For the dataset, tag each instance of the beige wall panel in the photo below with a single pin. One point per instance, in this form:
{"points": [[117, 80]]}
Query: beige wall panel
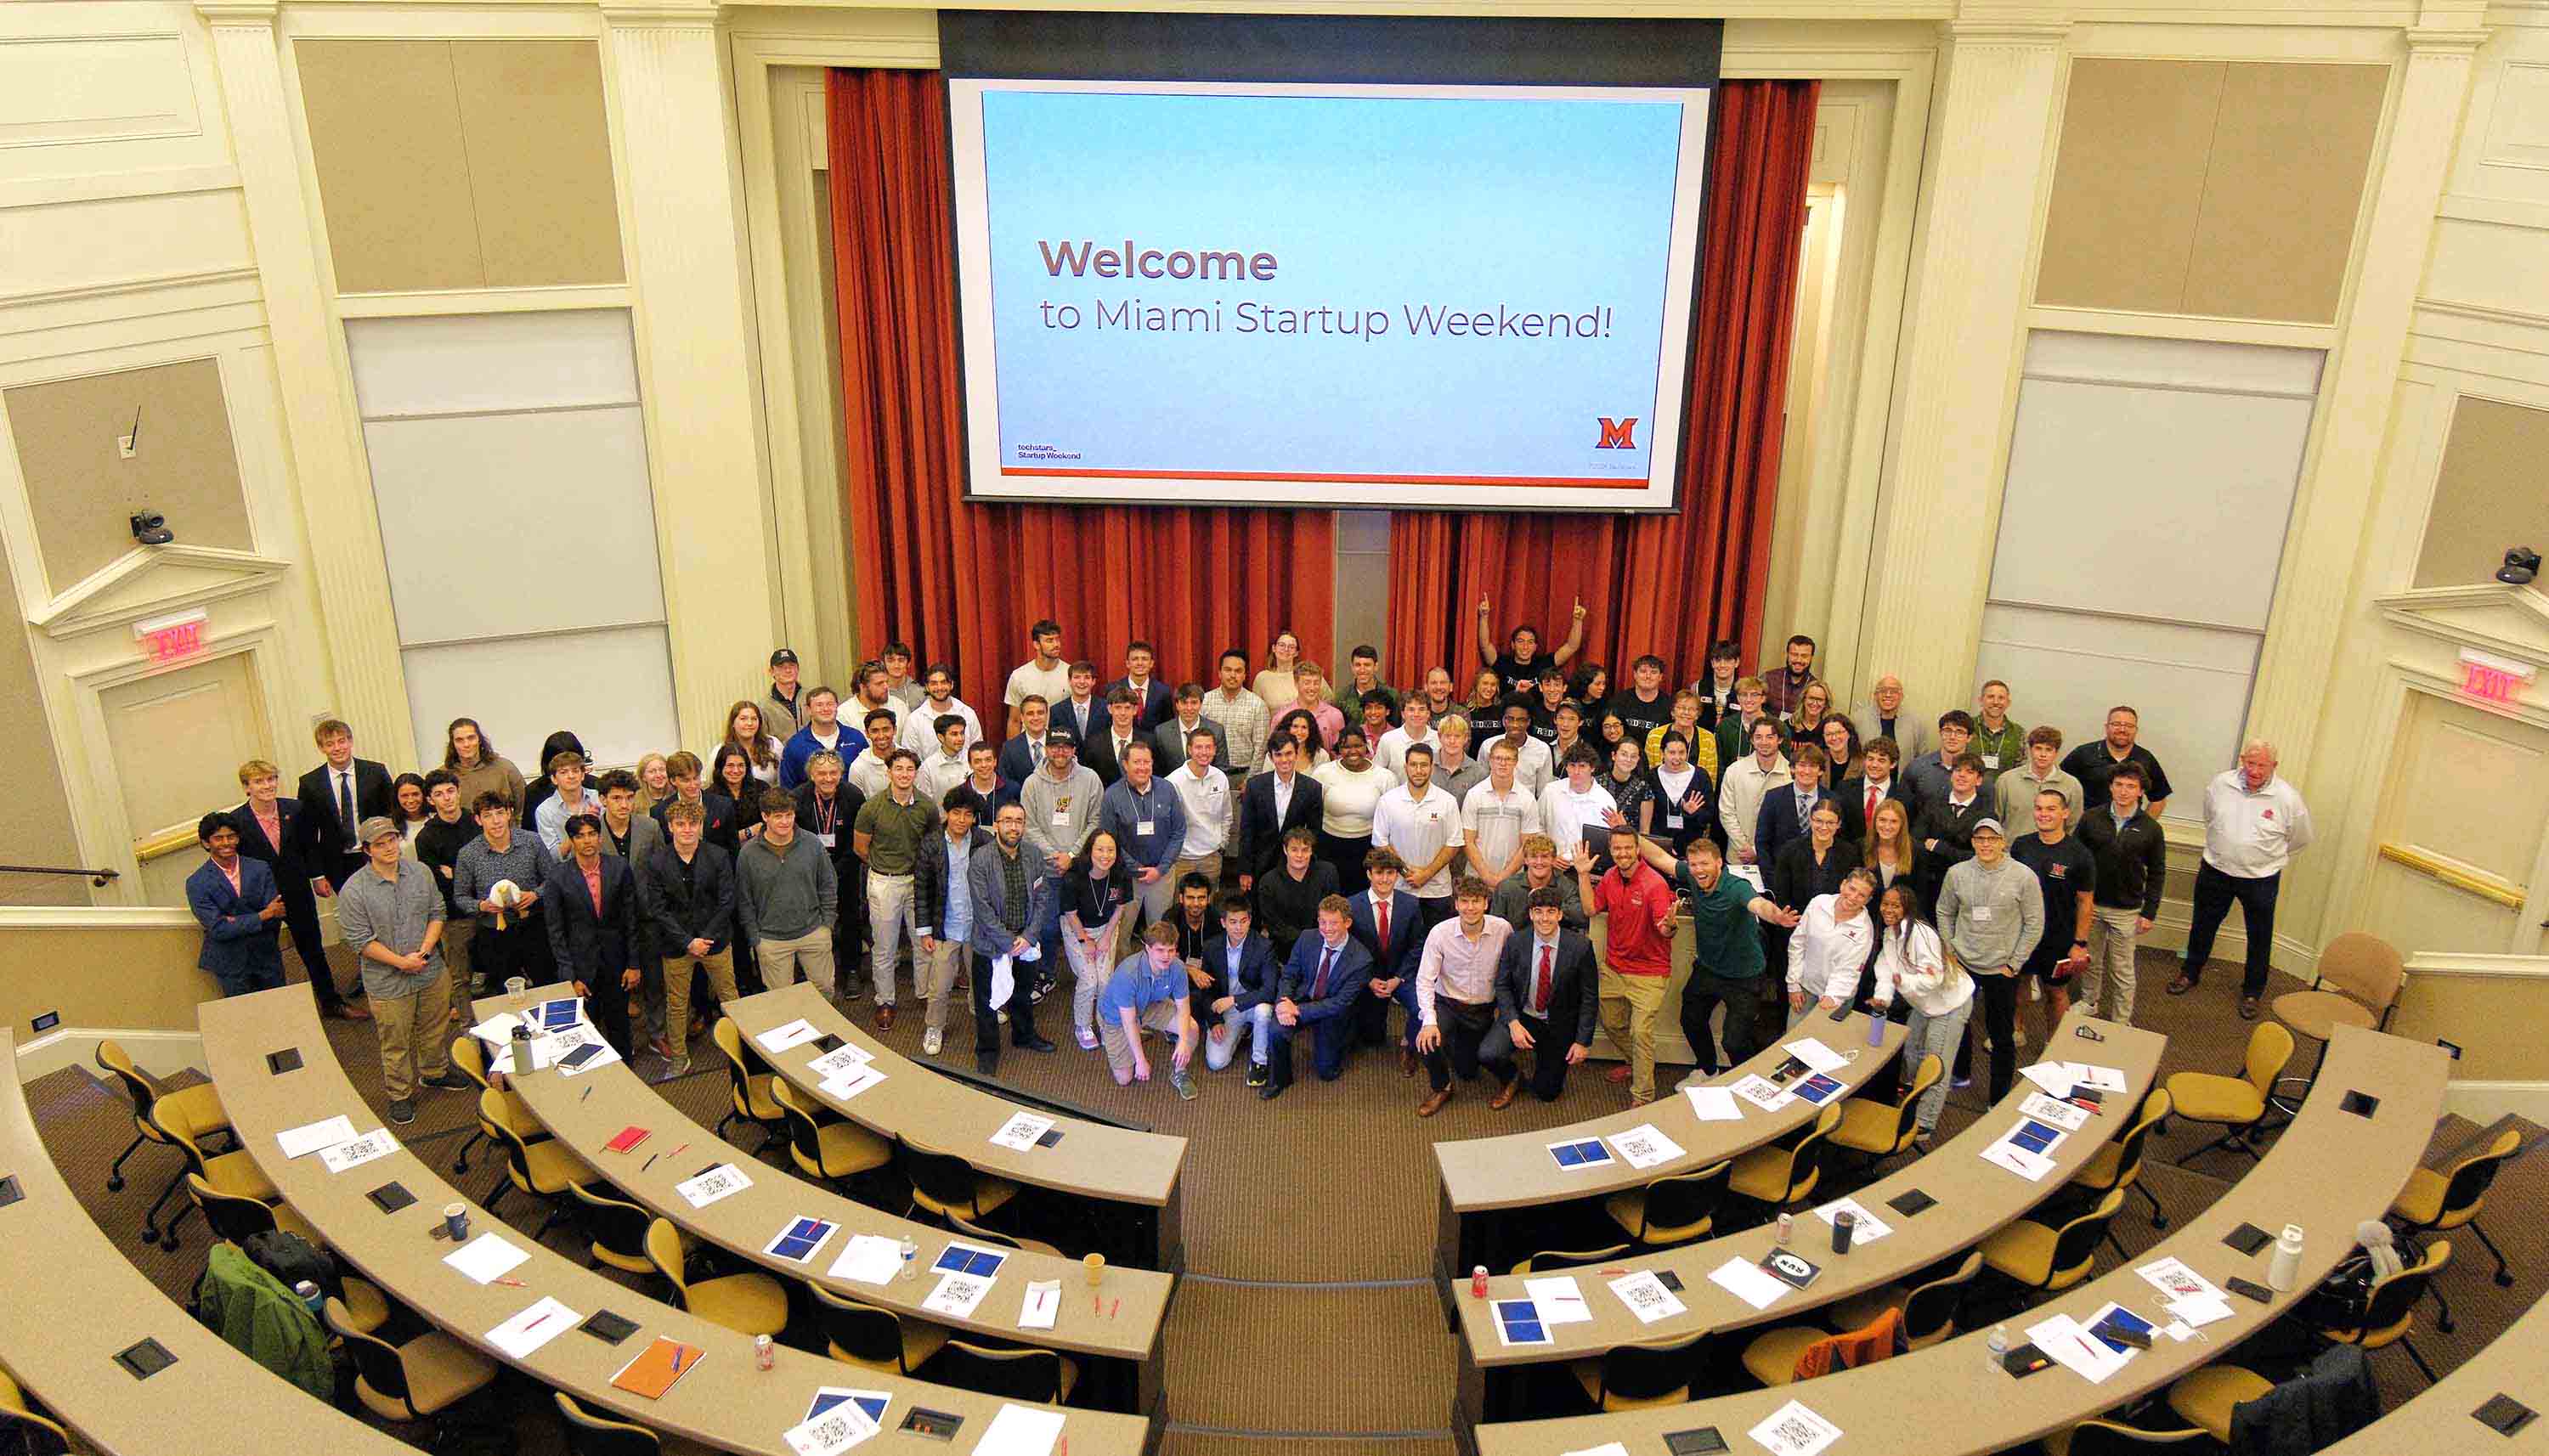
{"points": [[2289, 160], [2494, 1019], [2127, 183], [83, 495], [540, 161], [120, 239], [393, 171], [120, 978], [56, 89], [2489, 494], [31, 777]]}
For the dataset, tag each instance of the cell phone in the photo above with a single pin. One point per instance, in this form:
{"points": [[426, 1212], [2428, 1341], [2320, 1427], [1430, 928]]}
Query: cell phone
{"points": [[2247, 1238], [2089, 1034], [2249, 1289], [1844, 1013], [1698, 1441]]}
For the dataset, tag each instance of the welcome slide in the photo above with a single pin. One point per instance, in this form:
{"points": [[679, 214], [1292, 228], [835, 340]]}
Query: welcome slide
{"points": [[1454, 296]]}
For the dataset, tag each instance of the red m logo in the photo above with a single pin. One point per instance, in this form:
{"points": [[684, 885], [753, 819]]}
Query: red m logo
{"points": [[1618, 434]]}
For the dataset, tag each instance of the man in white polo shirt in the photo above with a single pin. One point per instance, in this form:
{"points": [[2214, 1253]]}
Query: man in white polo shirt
{"points": [[1422, 823], [2254, 822], [1496, 815], [1205, 792]]}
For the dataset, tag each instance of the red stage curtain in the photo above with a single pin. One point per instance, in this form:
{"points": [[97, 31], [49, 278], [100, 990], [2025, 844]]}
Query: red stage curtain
{"points": [[959, 581], [1666, 585]]}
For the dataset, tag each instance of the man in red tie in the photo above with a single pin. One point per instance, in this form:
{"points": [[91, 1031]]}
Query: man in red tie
{"points": [[1873, 785], [1319, 985], [1548, 999]]}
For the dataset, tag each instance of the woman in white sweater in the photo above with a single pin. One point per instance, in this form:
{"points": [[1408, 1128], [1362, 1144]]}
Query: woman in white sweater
{"points": [[1830, 946], [1910, 958]]}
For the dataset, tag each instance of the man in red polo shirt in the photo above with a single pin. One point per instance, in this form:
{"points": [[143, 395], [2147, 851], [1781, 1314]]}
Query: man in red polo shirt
{"points": [[1638, 960]]}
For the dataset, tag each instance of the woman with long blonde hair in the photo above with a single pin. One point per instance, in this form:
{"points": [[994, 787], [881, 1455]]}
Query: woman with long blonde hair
{"points": [[1889, 852]]}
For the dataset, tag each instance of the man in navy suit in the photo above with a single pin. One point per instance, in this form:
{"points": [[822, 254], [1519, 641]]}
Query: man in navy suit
{"points": [[1548, 1003], [1389, 923], [1318, 989], [1271, 805], [336, 796], [1021, 755], [1102, 753], [1240, 997], [1787, 809], [269, 832], [237, 902], [1154, 700], [594, 927]]}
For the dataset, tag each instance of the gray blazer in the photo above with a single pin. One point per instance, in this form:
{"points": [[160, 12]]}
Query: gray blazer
{"points": [[1172, 743], [1916, 730], [997, 922], [645, 836]]}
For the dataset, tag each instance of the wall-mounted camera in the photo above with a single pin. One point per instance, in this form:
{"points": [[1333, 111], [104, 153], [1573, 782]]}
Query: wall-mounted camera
{"points": [[2521, 565], [150, 528]]}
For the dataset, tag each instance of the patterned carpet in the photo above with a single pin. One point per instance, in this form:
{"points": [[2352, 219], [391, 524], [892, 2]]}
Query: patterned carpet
{"points": [[1310, 1221]]}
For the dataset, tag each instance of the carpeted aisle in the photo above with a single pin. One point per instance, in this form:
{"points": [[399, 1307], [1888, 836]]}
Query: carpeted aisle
{"points": [[1310, 1221]]}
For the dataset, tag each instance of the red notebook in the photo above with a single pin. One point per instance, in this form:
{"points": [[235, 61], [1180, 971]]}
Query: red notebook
{"points": [[629, 1136]]}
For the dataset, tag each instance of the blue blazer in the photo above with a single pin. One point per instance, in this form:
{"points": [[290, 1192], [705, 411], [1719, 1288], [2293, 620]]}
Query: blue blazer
{"points": [[236, 942], [1397, 959], [1258, 975], [1775, 827], [1345, 984], [1158, 701]]}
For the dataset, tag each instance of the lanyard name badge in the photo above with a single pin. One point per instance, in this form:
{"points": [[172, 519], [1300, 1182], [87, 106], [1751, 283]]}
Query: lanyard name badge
{"points": [[827, 814]]}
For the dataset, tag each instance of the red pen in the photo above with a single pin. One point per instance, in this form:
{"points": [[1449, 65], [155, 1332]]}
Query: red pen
{"points": [[678, 1152], [1093, 1304], [536, 1324], [513, 1283], [1111, 1309]]}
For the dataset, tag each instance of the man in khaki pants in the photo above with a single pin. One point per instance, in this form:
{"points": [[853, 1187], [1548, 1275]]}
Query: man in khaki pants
{"points": [[691, 887], [391, 914]]}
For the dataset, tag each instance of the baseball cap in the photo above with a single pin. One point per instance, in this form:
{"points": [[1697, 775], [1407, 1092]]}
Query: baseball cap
{"points": [[1055, 736], [783, 656], [375, 828], [1991, 824]]}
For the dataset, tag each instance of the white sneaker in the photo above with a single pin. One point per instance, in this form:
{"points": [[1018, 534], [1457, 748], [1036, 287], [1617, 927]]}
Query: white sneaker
{"points": [[929, 1042], [1697, 1078]]}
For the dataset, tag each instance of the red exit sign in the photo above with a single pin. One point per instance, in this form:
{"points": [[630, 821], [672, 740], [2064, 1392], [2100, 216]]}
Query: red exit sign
{"points": [[2494, 680], [172, 638]]}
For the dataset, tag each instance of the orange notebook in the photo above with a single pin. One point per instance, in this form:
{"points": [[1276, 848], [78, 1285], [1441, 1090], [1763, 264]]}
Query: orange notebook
{"points": [[656, 1368]]}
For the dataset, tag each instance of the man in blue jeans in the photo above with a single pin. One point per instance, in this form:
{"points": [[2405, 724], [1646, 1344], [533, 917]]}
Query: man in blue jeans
{"points": [[1320, 982]]}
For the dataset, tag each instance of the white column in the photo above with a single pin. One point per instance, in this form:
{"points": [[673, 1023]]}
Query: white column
{"points": [[683, 204], [1990, 144], [2321, 554], [344, 534]]}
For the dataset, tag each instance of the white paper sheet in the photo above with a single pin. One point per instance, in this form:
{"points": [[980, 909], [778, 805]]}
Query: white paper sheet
{"points": [[723, 1181], [1815, 1055], [2070, 1117], [795, 1034], [2071, 1344], [1868, 1228], [2176, 1282], [487, 1257], [2197, 1312], [1748, 873], [851, 1083], [552, 1048], [832, 1433], [1645, 1146], [1559, 1298], [1749, 1282], [1713, 1104], [1764, 1093], [1021, 1130], [2055, 1077], [1647, 1296], [1020, 1430], [2104, 1078], [1607, 1448], [533, 1328], [840, 1060], [498, 1030], [1040, 1303], [2019, 1160], [371, 1146], [957, 1295], [1794, 1430], [303, 1140], [869, 1260]]}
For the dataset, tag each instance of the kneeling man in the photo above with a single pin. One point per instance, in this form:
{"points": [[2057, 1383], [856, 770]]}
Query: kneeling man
{"points": [[1320, 982], [1547, 1002], [1148, 991]]}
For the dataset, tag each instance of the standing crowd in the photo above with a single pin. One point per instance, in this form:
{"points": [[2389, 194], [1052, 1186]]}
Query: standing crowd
{"points": [[1275, 857]]}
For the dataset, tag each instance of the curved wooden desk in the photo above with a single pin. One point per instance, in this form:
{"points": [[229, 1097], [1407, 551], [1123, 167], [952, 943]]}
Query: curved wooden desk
{"points": [[1116, 1166], [75, 1301], [1974, 1199], [1485, 1176], [586, 1112], [2328, 1171], [726, 1402], [2441, 1418]]}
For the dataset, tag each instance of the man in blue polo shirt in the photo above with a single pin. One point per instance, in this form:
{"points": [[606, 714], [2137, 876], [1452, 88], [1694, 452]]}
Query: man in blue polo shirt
{"points": [[1148, 990]]}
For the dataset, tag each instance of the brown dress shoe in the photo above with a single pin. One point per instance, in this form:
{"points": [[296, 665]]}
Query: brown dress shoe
{"points": [[884, 1018], [1504, 1096], [1406, 1061], [1434, 1103]]}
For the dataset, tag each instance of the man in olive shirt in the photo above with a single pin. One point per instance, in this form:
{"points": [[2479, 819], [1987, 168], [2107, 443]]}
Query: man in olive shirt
{"points": [[887, 834], [1726, 963], [391, 914]]}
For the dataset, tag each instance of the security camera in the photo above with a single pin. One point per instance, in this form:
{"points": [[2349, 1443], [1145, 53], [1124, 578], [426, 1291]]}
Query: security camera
{"points": [[150, 528], [2521, 564]]}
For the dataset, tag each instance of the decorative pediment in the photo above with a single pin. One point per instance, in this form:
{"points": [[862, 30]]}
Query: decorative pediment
{"points": [[2510, 621], [150, 581]]}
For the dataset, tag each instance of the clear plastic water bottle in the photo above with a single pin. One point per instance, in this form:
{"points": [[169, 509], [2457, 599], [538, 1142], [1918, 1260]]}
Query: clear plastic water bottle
{"points": [[1996, 1343], [911, 1258]]}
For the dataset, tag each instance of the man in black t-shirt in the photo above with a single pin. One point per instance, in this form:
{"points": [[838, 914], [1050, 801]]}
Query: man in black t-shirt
{"points": [[2096, 762], [1644, 705], [2068, 874], [1520, 665]]}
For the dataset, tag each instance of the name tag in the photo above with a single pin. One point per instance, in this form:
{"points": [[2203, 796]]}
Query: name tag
{"points": [[1673, 821], [1982, 914], [1991, 760], [1142, 827], [824, 840]]}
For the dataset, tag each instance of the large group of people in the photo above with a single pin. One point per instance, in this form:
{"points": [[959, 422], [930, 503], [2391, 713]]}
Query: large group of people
{"points": [[1258, 855]]}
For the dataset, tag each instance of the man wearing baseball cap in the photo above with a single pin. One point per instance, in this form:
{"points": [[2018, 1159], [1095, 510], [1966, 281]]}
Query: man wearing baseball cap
{"points": [[391, 914], [783, 710], [1991, 914]]}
